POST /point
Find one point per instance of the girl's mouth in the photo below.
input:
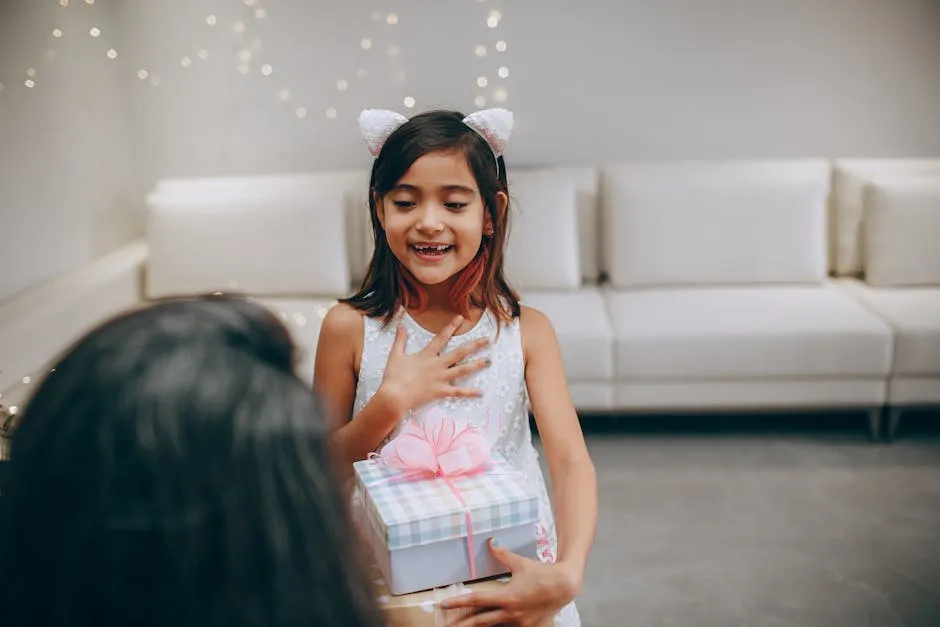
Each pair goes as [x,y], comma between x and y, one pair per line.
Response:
[431,252]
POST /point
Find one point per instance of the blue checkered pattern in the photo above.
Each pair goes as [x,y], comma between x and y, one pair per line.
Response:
[424,511]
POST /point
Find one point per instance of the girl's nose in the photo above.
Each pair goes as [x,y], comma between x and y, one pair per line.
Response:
[430,221]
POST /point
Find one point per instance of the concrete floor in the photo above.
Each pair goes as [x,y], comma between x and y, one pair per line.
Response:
[764,523]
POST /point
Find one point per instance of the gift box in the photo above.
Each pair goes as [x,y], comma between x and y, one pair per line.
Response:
[433,499]
[423,609]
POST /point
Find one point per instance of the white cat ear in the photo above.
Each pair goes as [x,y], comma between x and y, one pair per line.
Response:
[376,125]
[495,125]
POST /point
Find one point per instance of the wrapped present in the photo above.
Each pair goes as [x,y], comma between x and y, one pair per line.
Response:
[433,498]
[423,609]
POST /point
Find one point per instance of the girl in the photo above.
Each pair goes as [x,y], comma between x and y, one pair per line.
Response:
[436,324]
[173,472]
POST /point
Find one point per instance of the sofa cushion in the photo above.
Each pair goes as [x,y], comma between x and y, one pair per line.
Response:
[353,182]
[583,329]
[261,240]
[849,179]
[542,248]
[684,224]
[914,315]
[586,181]
[746,333]
[901,228]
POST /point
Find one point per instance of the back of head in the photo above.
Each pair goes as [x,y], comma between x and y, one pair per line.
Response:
[173,471]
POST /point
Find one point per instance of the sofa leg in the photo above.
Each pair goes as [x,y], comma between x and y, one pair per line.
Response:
[875,418]
[894,421]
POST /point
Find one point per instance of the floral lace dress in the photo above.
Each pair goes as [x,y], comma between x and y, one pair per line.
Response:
[503,402]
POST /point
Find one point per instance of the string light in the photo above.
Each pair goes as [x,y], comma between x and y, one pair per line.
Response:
[284,95]
[501,46]
[331,113]
[112,54]
[481,51]
[95,31]
[56,32]
[365,43]
[203,54]
[300,112]
[503,72]
[481,81]
[260,14]
[186,62]
[409,102]
[342,85]
[479,101]
[392,19]
[493,20]
[142,74]
[266,69]
[501,94]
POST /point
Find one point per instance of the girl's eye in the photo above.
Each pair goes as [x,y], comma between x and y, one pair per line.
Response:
[455,205]
[404,204]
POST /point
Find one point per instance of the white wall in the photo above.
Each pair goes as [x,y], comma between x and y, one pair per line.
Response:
[590,81]
[65,171]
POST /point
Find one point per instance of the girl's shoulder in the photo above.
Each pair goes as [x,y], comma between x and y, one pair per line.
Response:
[536,328]
[343,320]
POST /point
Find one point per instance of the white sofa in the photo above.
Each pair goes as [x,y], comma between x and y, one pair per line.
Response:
[673,287]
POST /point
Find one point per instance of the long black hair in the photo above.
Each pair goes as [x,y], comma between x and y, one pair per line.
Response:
[388,285]
[173,471]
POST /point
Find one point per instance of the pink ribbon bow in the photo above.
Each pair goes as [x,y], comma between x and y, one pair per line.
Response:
[441,448]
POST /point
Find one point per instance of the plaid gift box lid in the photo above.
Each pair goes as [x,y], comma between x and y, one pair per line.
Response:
[416,512]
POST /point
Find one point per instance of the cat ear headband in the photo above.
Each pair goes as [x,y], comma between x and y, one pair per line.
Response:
[493,125]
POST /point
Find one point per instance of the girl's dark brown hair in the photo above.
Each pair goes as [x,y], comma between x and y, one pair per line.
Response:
[389,285]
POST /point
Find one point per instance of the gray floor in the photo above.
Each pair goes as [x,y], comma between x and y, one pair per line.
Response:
[779,524]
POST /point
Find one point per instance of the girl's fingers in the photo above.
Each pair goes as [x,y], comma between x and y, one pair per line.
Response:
[465,370]
[455,392]
[440,340]
[465,350]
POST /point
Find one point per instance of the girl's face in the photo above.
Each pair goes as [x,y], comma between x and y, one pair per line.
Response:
[434,218]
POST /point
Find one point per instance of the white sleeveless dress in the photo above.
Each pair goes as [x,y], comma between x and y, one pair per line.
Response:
[504,400]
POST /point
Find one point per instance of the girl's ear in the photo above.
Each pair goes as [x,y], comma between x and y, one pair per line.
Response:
[502,204]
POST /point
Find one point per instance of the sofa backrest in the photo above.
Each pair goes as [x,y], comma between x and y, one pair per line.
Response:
[850,177]
[715,222]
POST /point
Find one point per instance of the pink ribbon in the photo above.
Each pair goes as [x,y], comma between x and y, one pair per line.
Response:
[440,448]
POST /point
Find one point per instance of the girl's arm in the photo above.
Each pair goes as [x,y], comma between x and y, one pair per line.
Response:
[339,350]
[574,482]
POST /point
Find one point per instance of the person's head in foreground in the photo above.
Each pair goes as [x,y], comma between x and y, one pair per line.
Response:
[172,471]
